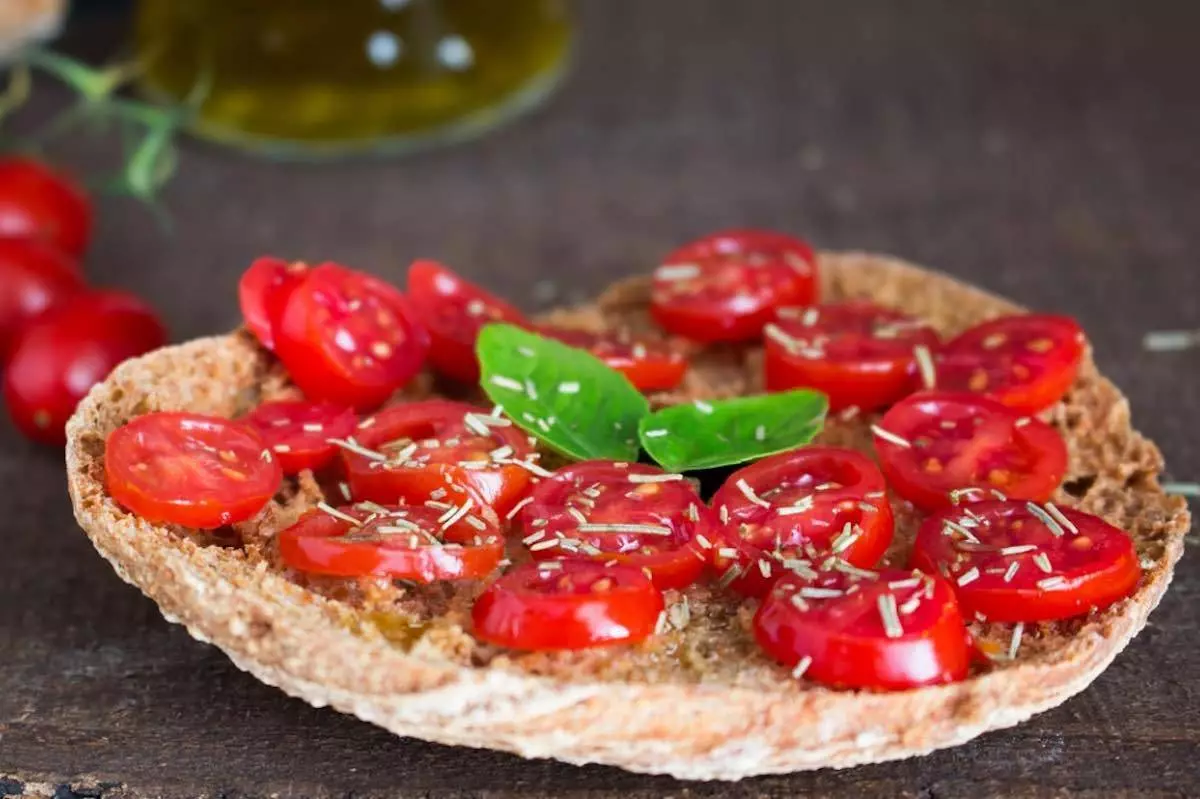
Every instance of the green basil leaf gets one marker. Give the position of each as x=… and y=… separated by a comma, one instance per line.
x=564, y=396
x=705, y=435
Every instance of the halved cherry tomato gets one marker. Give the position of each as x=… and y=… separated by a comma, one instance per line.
x=726, y=286
x=627, y=513
x=263, y=293
x=38, y=203
x=1017, y=561
x=440, y=450
x=454, y=310
x=411, y=542
x=1027, y=361
x=188, y=469
x=792, y=510
x=298, y=432
x=935, y=443
x=855, y=352
x=562, y=605
x=886, y=630
x=33, y=277
x=650, y=366
x=59, y=356
x=349, y=338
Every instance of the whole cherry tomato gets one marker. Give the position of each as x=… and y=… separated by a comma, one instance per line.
x=37, y=203
x=34, y=276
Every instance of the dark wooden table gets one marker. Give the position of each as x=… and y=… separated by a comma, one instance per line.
x=1045, y=150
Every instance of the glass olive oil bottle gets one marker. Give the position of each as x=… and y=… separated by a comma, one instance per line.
x=318, y=77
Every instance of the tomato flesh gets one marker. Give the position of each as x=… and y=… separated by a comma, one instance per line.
x=935, y=443
x=37, y=203
x=349, y=338
x=298, y=432
x=1008, y=564
x=263, y=293
x=409, y=542
x=188, y=469
x=1027, y=361
x=34, y=276
x=632, y=514
x=649, y=366
x=567, y=605
x=792, y=510
x=834, y=629
x=442, y=451
x=726, y=286
x=857, y=353
x=454, y=310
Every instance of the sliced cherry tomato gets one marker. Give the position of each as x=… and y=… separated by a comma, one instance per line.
x=34, y=276
x=455, y=310
x=1017, y=561
x=557, y=605
x=298, y=432
x=726, y=286
x=440, y=450
x=263, y=293
x=855, y=352
x=411, y=542
x=38, y=203
x=794, y=509
x=650, y=366
x=349, y=338
x=59, y=356
x=188, y=469
x=632, y=514
x=1026, y=361
x=887, y=630
x=935, y=443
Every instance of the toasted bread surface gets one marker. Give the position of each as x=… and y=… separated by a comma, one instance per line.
x=699, y=701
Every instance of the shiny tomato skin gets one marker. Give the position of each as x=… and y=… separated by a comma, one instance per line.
x=349, y=338
x=961, y=441
x=189, y=469
x=1090, y=565
x=726, y=286
x=297, y=431
x=1025, y=361
x=34, y=276
x=68, y=349
x=454, y=310
x=567, y=605
x=38, y=203
x=855, y=352
x=320, y=543
x=263, y=293
x=846, y=641
x=605, y=493
x=648, y=365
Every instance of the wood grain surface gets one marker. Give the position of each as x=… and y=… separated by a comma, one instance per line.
x=1047, y=151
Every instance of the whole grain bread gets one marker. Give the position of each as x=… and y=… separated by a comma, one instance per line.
x=698, y=701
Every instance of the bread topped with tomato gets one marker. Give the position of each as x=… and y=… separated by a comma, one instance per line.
x=955, y=533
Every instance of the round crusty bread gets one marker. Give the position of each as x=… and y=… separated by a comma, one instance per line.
x=697, y=702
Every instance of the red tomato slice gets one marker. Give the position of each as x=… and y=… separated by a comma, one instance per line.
x=1026, y=361
x=33, y=277
x=794, y=509
x=442, y=451
x=38, y=203
x=888, y=630
x=187, y=469
x=263, y=293
x=411, y=542
x=726, y=286
x=559, y=605
x=855, y=352
x=650, y=366
x=1017, y=561
x=298, y=432
x=349, y=338
x=455, y=310
x=935, y=443
x=632, y=514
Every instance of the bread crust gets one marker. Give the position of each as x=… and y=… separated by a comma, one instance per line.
x=313, y=647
